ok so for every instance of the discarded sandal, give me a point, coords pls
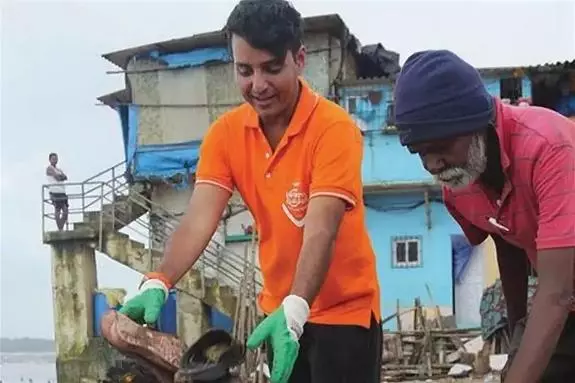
(210, 359)
(160, 349)
(155, 357)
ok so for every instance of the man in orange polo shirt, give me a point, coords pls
(295, 158)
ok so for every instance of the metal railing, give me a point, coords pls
(106, 202)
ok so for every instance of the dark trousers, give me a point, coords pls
(561, 367)
(59, 200)
(338, 354)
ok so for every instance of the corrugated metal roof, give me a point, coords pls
(498, 71)
(331, 23)
(523, 69)
(366, 81)
(485, 72)
(118, 97)
(552, 66)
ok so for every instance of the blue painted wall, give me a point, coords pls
(385, 160)
(526, 87)
(390, 216)
(493, 86)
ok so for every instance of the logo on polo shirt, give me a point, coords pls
(295, 204)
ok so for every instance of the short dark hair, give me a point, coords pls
(52, 154)
(274, 26)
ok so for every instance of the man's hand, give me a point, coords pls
(282, 330)
(548, 314)
(145, 307)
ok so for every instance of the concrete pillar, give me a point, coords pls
(74, 280)
(192, 314)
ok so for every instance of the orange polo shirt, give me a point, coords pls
(320, 154)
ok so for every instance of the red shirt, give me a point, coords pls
(536, 210)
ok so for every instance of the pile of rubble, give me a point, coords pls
(432, 349)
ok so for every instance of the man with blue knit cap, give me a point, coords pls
(507, 172)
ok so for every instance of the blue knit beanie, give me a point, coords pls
(438, 95)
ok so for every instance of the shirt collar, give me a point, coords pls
(308, 100)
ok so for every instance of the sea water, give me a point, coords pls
(27, 368)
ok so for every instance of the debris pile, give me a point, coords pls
(432, 349)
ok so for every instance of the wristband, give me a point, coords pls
(159, 276)
(155, 284)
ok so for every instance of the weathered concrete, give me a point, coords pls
(192, 318)
(85, 233)
(128, 252)
(89, 366)
(73, 283)
(74, 280)
(80, 356)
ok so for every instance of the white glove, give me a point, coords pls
(296, 311)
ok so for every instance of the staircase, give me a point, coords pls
(116, 218)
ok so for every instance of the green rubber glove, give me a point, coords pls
(282, 329)
(145, 307)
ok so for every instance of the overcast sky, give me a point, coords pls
(52, 73)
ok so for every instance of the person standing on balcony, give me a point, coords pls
(295, 157)
(507, 172)
(56, 177)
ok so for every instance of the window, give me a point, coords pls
(510, 88)
(390, 116)
(352, 104)
(406, 251)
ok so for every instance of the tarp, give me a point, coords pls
(169, 162)
(461, 251)
(174, 162)
(193, 58)
(493, 309)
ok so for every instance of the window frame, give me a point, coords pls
(349, 100)
(407, 240)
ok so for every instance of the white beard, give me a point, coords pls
(460, 177)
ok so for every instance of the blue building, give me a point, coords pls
(421, 252)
